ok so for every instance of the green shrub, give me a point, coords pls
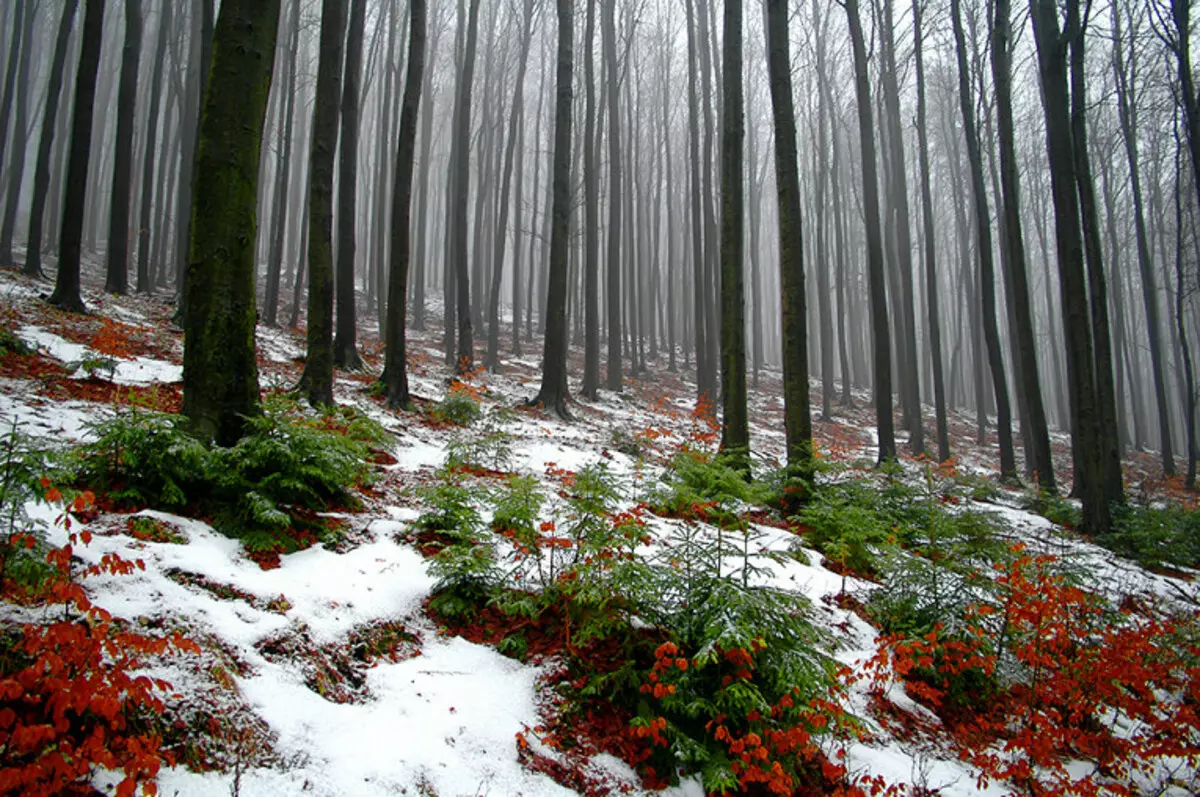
(267, 490)
(698, 486)
(848, 524)
(459, 407)
(1155, 536)
(1053, 507)
(23, 465)
(11, 343)
(490, 450)
(451, 507)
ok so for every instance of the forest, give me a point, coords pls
(587, 397)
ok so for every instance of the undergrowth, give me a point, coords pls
(267, 490)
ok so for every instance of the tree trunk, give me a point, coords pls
(1110, 454)
(66, 287)
(283, 177)
(16, 164)
(608, 37)
(1035, 434)
(395, 369)
(879, 311)
(1085, 427)
(987, 276)
(501, 233)
(117, 279)
(460, 262)
(554, 394)
(930, 241)
(41, 173)
(145, 282)
(220, 373)
(797, 416)
(22, 23)
(591, 214)
(345, 348)
(316, 383)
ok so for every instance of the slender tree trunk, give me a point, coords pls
(1035, 434)
(395, 369)
(22, 23)
(591, 213)
(220, 373)
(41, 173)
(501, 231)
(66, 288)
(554, 394)
(797, 417)
(1114, 488)
(930, 241)
(879, 312)
(460, 264)
(145, 281)
(16, 164)
(987, 277)
(316, 383)
(608, 36)
(283, 176)
(117, 279)
(345, 347)
(1085, 426)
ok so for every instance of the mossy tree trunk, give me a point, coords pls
(395, 370)
(41, 171)
(554, 394)
(316, 383)
(220, 374)
(66, 287)
(797, 416)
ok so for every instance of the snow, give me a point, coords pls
(444, 722)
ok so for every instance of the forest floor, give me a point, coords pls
(325, 672)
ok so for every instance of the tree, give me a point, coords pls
(1085, 425)
(591, 215)
(554, 394)
(41, 171)
(515, 116)
(117, 280)
(220, 373)
(987, 271)
(796, 413)
(930, 241)
(316, 383)
(879, 311)
(459, 262)
(22, 10)
(283, 177)
(608, 35)
(902, 299)
(1027, 368)
(735, 428)
(1125, 72)
(345, 349)
(144, 282)
(66, 287)
(395, 369)
(16, 164)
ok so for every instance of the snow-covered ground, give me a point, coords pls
(444, 721)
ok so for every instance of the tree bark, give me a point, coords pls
(879, 311)
(395, 369)
(460, 262)
(66, 287)
(316, 383)
(41, 172)
(345, 348)
(796, 412)
(987, 276)
(1036, 433)
(220, 373)
(117, 279)
(554, 394)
